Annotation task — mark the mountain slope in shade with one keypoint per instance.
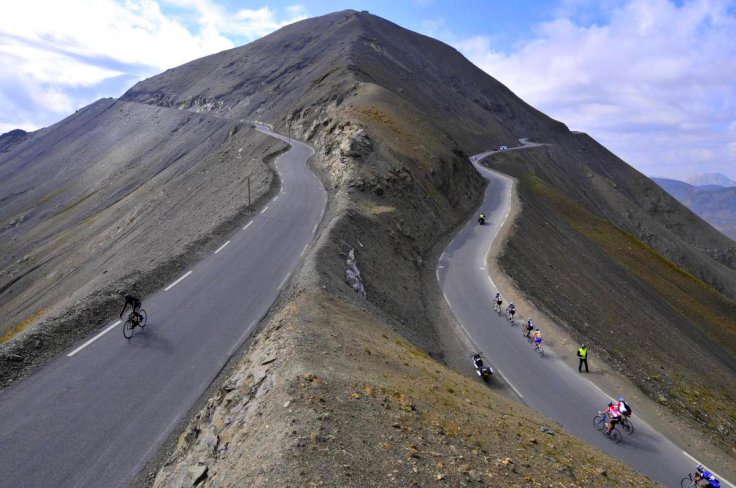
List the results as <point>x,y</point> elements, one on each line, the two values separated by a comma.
<point>710,179</point>
<point>716,204</point>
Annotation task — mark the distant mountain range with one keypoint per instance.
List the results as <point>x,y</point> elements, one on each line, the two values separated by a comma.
<point>715,203</point>
<point>710,179</point>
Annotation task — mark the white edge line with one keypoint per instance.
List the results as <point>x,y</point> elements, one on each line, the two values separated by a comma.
<point>275,198</point>
<point>247,225</point>
<point>509,383</point>
<point>492,283</point>
<point>437,273</point>
<point>283,282</point>
<point>265,208</point>
<point>177,281</point>
<point>720,478</point>
<point>94,339</point>
<point>222,247</point>
<point>306,246</point>
<point>240,341</point>
<point>315,228</point>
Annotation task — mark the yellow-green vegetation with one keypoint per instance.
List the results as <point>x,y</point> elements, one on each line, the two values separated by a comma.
<point>21,326</point>
<point>699,303</point>
<point>375,114</point>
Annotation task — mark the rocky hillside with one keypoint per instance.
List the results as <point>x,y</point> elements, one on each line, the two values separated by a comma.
<point>716,204</point>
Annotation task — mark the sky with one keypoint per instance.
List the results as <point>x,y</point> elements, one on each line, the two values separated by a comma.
<point>652,80</point>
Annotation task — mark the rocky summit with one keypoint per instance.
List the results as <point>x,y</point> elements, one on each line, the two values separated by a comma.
<point>125,193</point>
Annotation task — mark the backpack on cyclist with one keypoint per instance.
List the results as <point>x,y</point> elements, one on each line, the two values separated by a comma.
<point>624,408</point>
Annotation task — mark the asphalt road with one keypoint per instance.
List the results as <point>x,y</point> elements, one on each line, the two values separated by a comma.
<point>549,384</point>
<point>93,417</point>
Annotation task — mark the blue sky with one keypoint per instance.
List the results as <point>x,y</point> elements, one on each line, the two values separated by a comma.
<point>653,80</point>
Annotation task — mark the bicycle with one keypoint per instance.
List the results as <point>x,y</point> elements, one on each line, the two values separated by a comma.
<point>538,349</point>
<point>135,319</point>
<point>688,482</point>
<point>626,425</point>
<point>600,422</point>
<point>510,316</point>
<point>497,308</point>
<point>527,333</point>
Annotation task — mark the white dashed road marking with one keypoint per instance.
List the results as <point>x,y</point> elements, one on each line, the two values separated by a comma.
<point>94,338</point>
<point>265,208</point>
<point>222,247</point>
<point>177,281</point>
<point>247,225</point>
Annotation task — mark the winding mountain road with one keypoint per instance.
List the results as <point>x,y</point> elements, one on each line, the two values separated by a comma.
<point>547,384</point>
<point>94,416</point>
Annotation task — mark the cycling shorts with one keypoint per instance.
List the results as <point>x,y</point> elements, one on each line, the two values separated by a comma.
<point>538,340</point>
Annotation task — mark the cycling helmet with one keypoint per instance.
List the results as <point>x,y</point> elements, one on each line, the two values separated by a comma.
<point>699,467</point>
<point>610,404</point>
<point>620,399</point>
<point>537,329</point>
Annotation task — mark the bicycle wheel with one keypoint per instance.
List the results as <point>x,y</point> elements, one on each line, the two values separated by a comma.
<point>627,427</point>
<point>144,317</point>
<point>128,327</point>
<point>599,422</point>
<point>687,482</point>
<point>540,351</point>
<point>616,436</point>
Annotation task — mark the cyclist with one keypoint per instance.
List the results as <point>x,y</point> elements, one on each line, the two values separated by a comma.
<point>529,328</point>
<point>482,218</point>
<point>623,407</point>
<point>498,301</point>
<point>537,339</point>
<point>704,478</point>
<point>135,304</point>
<point>613,417</point>
<point>510,311</point>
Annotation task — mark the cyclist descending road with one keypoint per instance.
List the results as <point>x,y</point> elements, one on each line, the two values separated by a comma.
<point>136,318</point>
<point>537,338</point>
<point>134,302</point>
<point>510,311</point>
<point>497,301</point>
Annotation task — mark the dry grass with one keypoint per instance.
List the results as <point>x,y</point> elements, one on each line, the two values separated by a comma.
<point>21,326</point>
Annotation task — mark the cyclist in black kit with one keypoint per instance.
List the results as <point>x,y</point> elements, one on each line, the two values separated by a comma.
<point>135,304</point>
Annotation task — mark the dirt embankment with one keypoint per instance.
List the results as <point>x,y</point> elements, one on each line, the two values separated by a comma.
<point>328,395</point>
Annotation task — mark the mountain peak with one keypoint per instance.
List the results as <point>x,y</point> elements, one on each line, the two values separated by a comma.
<point>710,179</point>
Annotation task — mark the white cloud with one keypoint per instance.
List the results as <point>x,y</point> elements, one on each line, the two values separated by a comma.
<point>57,56</point>
<point>659,76</point>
